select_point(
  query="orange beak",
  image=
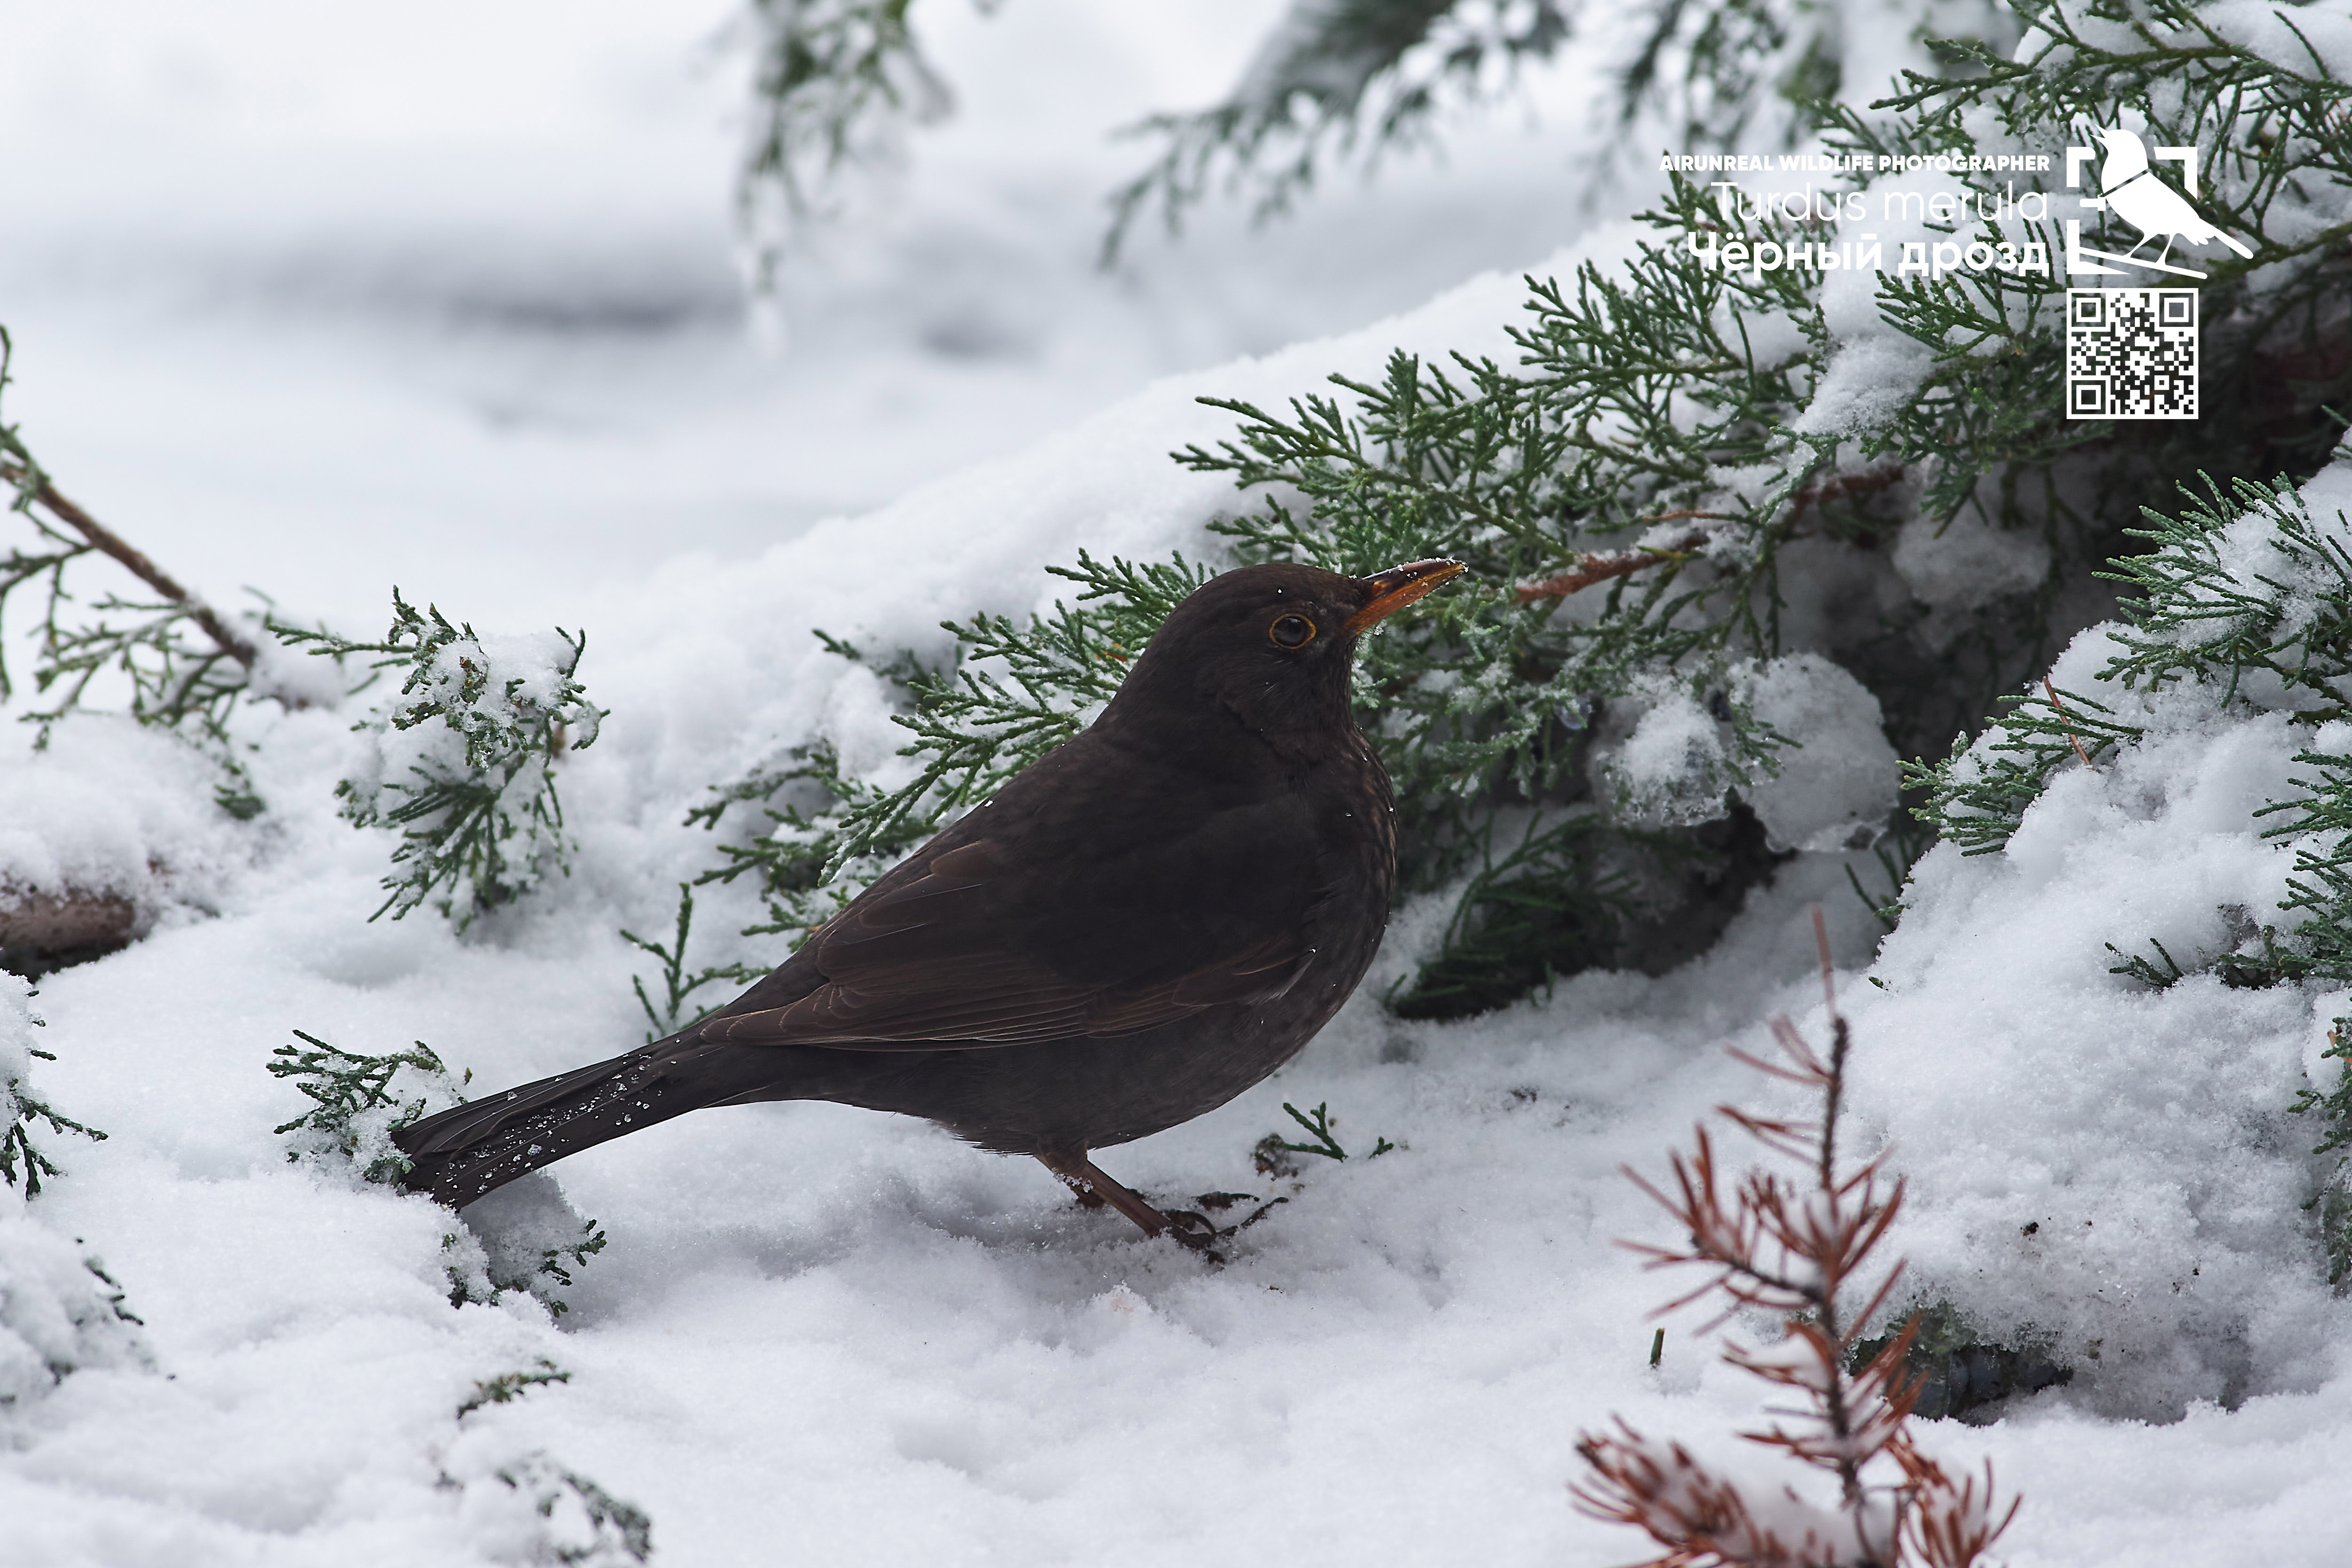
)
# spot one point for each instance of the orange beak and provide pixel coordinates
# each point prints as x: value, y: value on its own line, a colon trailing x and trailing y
x: 1398, y: 586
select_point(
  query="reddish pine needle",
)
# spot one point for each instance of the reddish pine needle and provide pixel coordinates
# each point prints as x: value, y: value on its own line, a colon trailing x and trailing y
x: 1802, y: 1250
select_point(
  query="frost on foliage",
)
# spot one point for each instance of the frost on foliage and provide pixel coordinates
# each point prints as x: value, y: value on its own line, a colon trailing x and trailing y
x: 527, y: 1508
x: 1328, y: 79
x: 22, y: 1161
x: 525, y: 1236
x: 60, y: 1312
x: 461, y: 763
x: 1683, y: 468
x: 2244, y: 609
x: 2244, y: 606
x: 2333, y: 1062
x: 832, y: 83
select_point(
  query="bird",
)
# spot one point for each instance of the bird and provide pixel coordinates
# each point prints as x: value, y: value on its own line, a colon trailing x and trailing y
x: 1145, y: 921
x: 2147, y: 202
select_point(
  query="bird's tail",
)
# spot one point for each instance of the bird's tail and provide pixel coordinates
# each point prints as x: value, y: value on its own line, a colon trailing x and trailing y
x: 2231, y: 241
x: 461, y: 1154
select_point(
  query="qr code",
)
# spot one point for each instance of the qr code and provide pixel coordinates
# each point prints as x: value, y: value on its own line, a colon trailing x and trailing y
x: 2131, y: 354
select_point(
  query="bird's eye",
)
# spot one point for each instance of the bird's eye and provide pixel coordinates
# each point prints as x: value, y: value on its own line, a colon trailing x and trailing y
x: 1291, y: 631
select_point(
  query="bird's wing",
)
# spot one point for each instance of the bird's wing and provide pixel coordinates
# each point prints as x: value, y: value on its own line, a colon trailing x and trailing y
x: 981, y: 943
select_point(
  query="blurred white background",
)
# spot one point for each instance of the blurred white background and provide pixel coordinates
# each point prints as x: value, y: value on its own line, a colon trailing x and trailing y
x: 319, y: 297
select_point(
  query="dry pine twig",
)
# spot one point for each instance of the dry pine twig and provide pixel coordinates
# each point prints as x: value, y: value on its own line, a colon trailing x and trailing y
x: 2059, y: 709
x: 1801, y: 1250
x: 106, y: 541
x: 1600, y: 565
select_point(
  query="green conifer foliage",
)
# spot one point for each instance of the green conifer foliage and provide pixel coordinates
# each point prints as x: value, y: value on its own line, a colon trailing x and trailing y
x: 184, y: 665
x: 1333, y: 78
x: 1018, y: 692
x: 2244, y: 604
x: 834, y: 81
x: 837, y: 82
x: 678, y: 984
x: 2333, y: 1203
x: 354, y: 1108
x: 1631, y: 492
x: 22, y: 1161
x: 472, y: 797
x: 463, y: 765
x: 526, y: 1237
x: 19, y: 1156
x: 596, y: 1530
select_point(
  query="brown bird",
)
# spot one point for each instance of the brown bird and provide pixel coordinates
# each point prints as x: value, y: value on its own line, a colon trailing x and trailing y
x: 1146, y: 921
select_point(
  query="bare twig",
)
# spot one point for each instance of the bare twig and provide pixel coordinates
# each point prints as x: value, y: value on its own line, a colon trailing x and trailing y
x: 134, y: 560
x: 2059, y: 709
x: 1599, y: 566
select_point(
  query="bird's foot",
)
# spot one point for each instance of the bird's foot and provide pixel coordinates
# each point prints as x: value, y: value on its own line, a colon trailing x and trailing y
x: 1202, y: 1234
x: 1218, y: 1202
x: 1197, y: 1231
x: 1186, y: 1227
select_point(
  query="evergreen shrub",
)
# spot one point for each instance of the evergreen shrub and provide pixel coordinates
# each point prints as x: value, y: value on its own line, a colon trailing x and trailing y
x: 1688, y: 478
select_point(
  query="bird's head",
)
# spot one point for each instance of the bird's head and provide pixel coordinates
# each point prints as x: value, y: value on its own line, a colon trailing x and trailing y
x: 2126, y: 152
x: 1270, y: 646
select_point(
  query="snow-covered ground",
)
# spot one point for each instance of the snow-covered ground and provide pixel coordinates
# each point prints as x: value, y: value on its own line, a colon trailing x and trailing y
x: 273, y: 330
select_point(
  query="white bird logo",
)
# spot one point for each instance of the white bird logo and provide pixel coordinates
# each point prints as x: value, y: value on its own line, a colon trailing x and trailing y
x: 2127, y: 189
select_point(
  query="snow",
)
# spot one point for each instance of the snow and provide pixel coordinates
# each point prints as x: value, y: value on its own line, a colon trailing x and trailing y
x: 1666, y: 750
x: 59, y: 1312
x: 818, y: 1334
x: 1666, y: 756
x: 118, y: 813
x: 1836, y: 788
x: 1964, y: 563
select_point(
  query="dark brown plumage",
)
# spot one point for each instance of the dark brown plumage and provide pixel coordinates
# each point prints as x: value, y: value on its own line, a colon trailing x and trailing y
x: 1145, y: 922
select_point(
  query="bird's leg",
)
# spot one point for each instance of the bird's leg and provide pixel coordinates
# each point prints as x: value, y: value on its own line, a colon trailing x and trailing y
x: 1086, y: 1179
x: 1087, y: 1197
x: 1082, y: 1177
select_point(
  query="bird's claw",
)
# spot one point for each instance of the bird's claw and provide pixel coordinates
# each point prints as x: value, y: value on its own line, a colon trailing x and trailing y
x: 1197, y: 1231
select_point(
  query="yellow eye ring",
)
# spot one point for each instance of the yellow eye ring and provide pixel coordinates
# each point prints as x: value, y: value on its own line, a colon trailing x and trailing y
x: 1292, y: 631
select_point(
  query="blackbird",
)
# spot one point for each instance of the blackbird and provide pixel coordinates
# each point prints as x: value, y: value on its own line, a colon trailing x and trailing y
x: 1146, y: 921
